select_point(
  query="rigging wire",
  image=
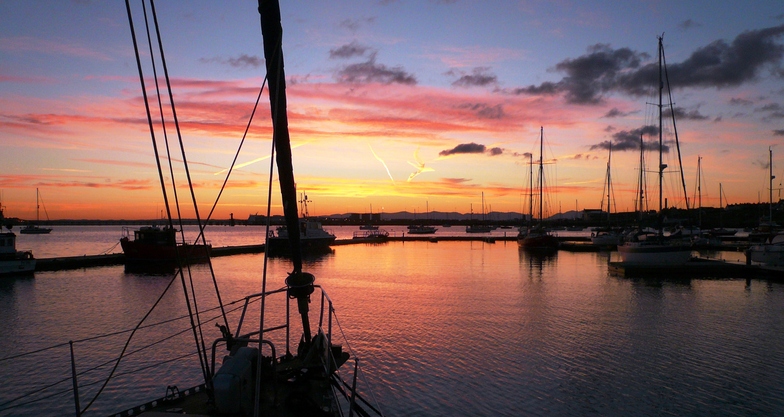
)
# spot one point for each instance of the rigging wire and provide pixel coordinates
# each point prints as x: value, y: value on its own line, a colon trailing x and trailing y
x: 200, y: 338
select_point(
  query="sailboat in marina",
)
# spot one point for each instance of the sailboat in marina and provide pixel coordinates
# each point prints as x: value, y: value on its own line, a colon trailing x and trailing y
x: 33, y: 228
x: 607, y: 237
x: 537, y: 238
x: 657, y: 249
x: 423, y: 229
x: 771, y: 251
x: 482, y: 227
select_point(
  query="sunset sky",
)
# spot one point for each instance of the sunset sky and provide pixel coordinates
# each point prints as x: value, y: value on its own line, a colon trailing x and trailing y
x: 395, y: 104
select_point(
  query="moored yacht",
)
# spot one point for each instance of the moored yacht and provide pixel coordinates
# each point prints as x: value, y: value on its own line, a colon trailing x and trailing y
x: 659, y: 249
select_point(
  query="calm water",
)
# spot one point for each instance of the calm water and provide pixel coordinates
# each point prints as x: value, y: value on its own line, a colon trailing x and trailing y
x: 443, y: 329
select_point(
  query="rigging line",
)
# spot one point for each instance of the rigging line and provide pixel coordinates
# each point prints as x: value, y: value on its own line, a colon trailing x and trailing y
x: 263, y: 298
x: 674, y: 127
x: 138, y: 326
x: 223, y: 186
x: 200, y: 338
x: 33, y: 352
x: 133, y: 352
x: 272, y: 34
x: 176, y: 120
x: 163, y: 125
x: 160, y: 173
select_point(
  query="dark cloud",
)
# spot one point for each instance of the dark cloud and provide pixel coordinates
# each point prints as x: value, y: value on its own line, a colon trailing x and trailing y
x: 681, y: 113
x: 689, y: 24
x: 479, y: 77
x: 778, y: 132
x: 484, y: 111
x: 464, y: 148
x: 242, y: 61
x: 472, y: 148
x: 629, y: 140
x: 614, y: 112
x: 590, y: 76
x: 719, y: 64
x: 371, y: 72
x: 772, y: 111
x: 351, y: 50
x: 456, y: 180
x: 740, y: 102
x: 354, y: 24
x: 495, y: 151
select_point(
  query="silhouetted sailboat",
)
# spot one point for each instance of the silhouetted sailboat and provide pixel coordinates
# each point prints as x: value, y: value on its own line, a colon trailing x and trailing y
x: 537, y: 237
x: 658, y: 249
x: 33, y: 228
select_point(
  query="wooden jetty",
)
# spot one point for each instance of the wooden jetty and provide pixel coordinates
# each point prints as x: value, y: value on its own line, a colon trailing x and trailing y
x: 91, y: 261
x: 696, y: 268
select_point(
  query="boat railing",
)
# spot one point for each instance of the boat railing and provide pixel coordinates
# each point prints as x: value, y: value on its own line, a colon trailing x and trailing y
x: 328, y: 327
x: 68, y: 375
x: 80, y: 377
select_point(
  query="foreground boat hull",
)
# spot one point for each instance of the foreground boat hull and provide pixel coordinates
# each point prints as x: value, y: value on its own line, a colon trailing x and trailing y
x: 770, y: 255
x: 23, y: 265
x: 538, y: 242
x: 654, y: 254
x: 35, y: 230
x: 146, y: 253
x: 308, y: 245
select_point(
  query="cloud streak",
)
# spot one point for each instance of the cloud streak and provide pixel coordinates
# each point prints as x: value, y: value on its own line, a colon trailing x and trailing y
x: 603, y: 70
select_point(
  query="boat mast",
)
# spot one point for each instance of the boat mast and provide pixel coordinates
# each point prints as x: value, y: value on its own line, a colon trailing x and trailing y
x: 699, y: 191
x: 772, y: 177
x: 609, y: 181
x: 541, y: 176
x: 662, y: 166
x: 531, y: 191
x: 272, y: 34
x: 641, y: 181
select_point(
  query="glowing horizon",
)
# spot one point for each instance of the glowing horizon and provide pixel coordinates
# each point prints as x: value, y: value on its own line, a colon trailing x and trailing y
x: 380, y: 115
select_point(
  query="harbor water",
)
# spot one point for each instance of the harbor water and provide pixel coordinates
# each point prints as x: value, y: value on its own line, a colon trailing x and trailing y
x: 445, y: 328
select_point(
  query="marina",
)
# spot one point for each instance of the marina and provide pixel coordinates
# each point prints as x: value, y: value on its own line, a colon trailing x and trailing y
x: 296, y: 314
x: 497, y: 332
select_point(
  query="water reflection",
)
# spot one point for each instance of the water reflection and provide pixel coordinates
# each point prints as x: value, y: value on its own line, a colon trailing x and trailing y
x: 537, y: 261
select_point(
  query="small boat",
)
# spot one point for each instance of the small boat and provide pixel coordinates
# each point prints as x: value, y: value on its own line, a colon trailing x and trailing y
x: 13, y: 261
x: 369, y: 225
x: 313, y: 239
x: 607, y: 237
x: 538, y: 238
x: 421, y: 229
x: 770, y: 253
x: 33, y: 228
x: 158, y: 246
x: 374, y: 235
x: 479, y: 227
x: 659, y: 249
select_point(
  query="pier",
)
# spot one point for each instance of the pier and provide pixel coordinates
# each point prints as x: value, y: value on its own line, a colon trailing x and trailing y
x: 696, y: 268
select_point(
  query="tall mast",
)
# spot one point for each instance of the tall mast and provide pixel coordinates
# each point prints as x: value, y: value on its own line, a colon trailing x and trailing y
x: 531, y: 190
x: 609, y: 181
x: 662, y: 166
x: 699, y: 191
x: 641, y: 182
x: 541, y: 175
x: 770, y: 205
x: 272, y: 34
